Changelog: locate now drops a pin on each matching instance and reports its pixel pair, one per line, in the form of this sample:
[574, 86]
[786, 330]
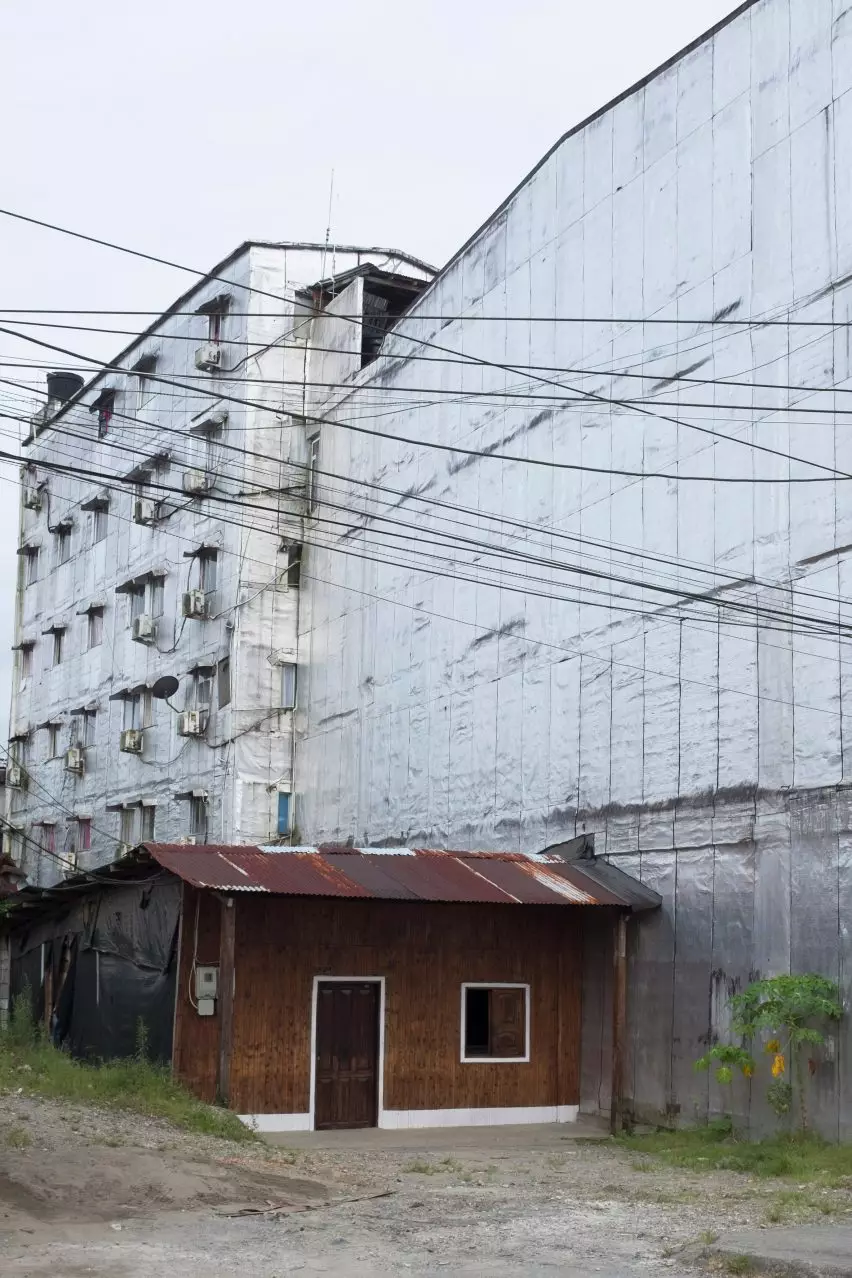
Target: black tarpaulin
[110, 955]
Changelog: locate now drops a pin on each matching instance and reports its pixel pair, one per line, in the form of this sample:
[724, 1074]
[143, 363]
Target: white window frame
[27, 660]
[198, 805]
[100, 517]
[288, 676]
[312, 476]
[31, 567]
[495, 1060]
[63, 545]
[94, 629]
[57, 648]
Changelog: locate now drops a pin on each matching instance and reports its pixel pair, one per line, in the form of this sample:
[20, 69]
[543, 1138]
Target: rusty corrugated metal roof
[403, 874]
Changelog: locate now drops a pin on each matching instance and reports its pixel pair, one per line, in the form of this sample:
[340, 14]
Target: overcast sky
[182, 128]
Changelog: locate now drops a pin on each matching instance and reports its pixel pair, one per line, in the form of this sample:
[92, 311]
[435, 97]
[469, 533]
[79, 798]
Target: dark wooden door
[347, 1048]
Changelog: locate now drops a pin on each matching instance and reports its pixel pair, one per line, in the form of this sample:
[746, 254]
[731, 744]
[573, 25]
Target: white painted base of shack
[404, 1119]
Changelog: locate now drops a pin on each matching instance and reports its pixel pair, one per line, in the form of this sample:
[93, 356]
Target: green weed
[717, 1148]
[17, 1138]
[30, 1064]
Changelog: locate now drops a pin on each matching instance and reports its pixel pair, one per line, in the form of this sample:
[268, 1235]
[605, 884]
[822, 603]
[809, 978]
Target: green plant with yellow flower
[785, 1007]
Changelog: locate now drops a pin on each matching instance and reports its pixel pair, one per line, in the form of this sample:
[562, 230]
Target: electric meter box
[206, 982]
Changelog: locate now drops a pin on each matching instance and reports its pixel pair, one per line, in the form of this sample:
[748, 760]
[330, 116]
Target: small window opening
[127, 825]
[26, 661]
[208, 562]
[283, 812]
[495, 1022]
[58, 646]
[294, 566]
[52, 740]
[63, 544]
[83, 835]
[99, 524]
[288, 685]
[223, 680]
[95, 628]
[106, 411]
[31, 567]
[145, 385]
[198, 818]
[146, 822]
[312, 477]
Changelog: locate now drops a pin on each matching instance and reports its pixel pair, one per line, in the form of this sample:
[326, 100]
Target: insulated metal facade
[461, 696]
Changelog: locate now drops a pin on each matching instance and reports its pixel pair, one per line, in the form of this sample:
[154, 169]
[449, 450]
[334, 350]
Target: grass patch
[716, 1148]
[16, 1138]
[31, 1065]
[739, 1265]
[420, 1167]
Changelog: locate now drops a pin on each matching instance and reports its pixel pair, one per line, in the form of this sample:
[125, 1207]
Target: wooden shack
[342, 987]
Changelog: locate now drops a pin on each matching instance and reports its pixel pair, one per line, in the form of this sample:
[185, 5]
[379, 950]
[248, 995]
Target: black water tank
[63, 386]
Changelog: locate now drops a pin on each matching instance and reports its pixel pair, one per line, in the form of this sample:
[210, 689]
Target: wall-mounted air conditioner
[144, 629]
[16, 777]
[194, 605]
[32, 499]
[208, 357]
[130, 741]
[74, 760]
[187, 840]
[191, 723]
[196, 482]
[144, 511]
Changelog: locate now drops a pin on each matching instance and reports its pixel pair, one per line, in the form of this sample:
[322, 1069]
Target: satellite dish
[165, 687]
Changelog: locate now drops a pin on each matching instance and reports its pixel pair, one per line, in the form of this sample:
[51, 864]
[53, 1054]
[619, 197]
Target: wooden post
[619, 1022]
[226, 998]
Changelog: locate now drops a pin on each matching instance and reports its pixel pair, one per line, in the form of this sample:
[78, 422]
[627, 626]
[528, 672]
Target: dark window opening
[223, 679]
[477, 1039]
[106, 411]
[294, 566]
[495, 1022]
[385, 300]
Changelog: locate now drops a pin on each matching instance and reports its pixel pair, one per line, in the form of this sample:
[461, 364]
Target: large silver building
[161, 535]
[527, 640]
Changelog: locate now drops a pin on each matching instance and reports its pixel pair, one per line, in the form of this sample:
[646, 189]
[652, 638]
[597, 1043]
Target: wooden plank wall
[196, 1043]
[425, 951]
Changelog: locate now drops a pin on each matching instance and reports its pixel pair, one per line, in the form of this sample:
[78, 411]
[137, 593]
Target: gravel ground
[87, 1191]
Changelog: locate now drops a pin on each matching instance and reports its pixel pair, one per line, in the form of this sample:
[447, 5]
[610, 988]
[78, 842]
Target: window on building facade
[127, 825]
[495, 1022]
[288, 685]
[312, 477]
[223, 680]
[95, 628]
[83, 834]
[216, 323]
[198, 818]
[90, 727]
[201, 691]
[137, 602]
[63, 544]
[208, 564]
[283, 812]
[100, 516]
[104, 405]
[147, 813]
[26, 660]
[156, 596]
[31, 566]
[138, 712]
[145, 383]
[58, 646]
[48, 837]
[294, 566]
[52, 731]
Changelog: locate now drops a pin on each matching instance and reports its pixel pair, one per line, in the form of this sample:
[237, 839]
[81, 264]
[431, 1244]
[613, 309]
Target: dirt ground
[93, 1192]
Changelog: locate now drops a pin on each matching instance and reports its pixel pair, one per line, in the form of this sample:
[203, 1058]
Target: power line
[422, 342]
[458, 450]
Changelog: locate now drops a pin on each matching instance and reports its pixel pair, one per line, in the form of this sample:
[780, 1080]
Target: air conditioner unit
[32, 499]
[191, 723]
[74, 759]
[144, 629]
[187, 840]
[194, 604]
[130, 741]
[208, 357]
[16, 777]
[196, 482]
[144, 511]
